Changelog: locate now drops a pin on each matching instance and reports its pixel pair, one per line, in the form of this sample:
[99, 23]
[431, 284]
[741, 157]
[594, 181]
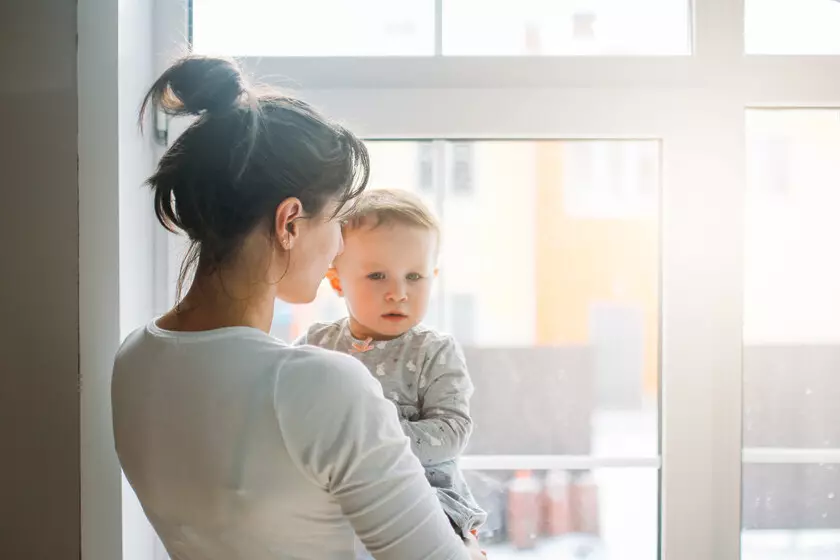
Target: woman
[237, 445]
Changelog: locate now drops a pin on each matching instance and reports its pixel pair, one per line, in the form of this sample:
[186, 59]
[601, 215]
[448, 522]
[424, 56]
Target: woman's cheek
[336, 246]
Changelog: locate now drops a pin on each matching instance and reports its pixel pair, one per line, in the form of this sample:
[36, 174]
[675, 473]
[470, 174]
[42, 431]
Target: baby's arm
[444, 427]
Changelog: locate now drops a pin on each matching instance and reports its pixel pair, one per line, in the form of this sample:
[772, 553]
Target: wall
[72, 202]
[39, 333]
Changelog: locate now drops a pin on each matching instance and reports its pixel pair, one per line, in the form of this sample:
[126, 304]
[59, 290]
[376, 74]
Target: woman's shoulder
[319, 361]
[294, 367]
[318, 392]
[323, 374]
[151, 342]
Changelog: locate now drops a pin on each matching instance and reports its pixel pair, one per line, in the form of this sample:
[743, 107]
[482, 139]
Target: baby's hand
[472, 546]
[409, 412]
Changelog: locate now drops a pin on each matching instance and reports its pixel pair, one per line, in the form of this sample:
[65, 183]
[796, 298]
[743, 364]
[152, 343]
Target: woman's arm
[346, 438]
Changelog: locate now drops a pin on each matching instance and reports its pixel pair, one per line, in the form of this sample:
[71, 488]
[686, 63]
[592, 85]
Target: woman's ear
[437, 271]
[335, 281]
[285, 228]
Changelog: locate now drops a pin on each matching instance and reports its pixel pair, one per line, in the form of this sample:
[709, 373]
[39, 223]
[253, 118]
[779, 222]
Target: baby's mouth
[396, 316]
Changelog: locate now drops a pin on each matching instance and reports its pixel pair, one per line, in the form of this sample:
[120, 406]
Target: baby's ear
[335, 282]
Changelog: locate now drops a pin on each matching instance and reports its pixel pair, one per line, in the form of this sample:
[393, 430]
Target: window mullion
[702, 233]
[719, 33]
[438, 27]
[439, 183]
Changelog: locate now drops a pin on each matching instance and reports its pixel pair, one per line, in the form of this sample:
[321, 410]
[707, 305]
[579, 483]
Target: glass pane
[314, 28]
[791, 295]
[792, 26]
[556, 245]
[791, 512]
[606, 514]
[566, 27]
[792, 332]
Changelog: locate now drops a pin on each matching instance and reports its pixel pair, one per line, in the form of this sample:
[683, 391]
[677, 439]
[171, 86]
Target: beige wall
[72, 165]
[39, 276]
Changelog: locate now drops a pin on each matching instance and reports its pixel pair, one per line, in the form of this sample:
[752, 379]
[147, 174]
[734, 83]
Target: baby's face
[386, 276]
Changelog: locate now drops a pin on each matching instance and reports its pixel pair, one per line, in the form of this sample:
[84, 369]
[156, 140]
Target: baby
[385, 276]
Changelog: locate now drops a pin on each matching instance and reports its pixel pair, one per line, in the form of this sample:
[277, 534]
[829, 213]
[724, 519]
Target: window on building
[462, 168]
[425, 167]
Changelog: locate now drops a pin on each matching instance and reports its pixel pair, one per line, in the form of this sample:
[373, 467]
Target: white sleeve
[345, 437]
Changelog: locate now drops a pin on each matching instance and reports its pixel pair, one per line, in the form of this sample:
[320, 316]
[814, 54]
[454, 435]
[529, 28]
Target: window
[611, 178]
[462, 167]
[462, 309]
[768, 165]
[467, 28]
[792, 26]
[791, 428]
[588, 161]
[425, 169]
[582, 27]
[313, 28]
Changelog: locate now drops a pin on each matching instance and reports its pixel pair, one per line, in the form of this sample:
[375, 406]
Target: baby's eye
[413, 277]
[376, 276]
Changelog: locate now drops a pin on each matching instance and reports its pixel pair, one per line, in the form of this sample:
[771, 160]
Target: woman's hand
[472, 547]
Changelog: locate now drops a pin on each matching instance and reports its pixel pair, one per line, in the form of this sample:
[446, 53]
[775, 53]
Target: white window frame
[696, 106]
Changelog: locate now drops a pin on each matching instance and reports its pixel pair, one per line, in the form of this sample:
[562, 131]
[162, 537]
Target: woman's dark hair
[247, 151]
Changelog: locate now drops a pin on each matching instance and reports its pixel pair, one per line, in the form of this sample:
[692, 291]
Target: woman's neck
[211, 304]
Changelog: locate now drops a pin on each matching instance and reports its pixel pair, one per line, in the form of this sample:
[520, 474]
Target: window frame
[695, 106]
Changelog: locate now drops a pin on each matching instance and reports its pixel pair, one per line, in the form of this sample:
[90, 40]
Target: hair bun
[204, 84]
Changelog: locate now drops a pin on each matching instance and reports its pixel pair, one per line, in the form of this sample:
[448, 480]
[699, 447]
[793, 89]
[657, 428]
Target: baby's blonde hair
[382, 207]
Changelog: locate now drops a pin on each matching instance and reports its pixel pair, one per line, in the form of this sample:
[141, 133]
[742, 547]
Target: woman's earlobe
[289, 235]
